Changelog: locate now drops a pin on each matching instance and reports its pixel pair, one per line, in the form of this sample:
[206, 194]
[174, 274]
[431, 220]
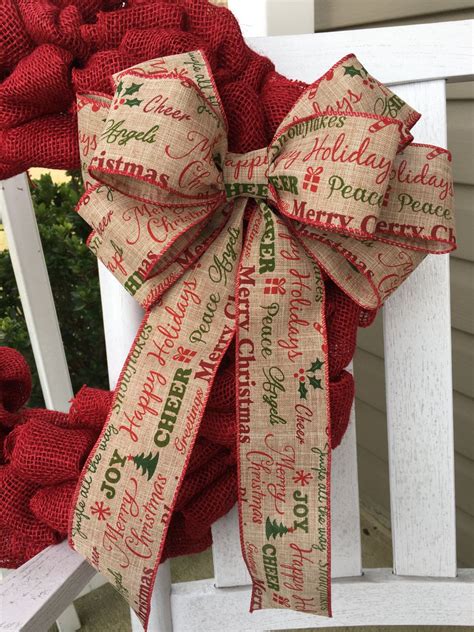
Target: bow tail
[154, 421]
[283, 419]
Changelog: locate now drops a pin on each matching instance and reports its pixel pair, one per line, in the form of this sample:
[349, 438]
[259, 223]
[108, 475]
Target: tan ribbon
[339, 189]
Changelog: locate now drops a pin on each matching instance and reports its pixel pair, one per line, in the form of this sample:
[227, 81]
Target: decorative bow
[216, 245]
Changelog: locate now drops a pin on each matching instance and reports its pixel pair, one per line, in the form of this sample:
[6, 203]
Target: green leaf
[317, 365]
[303, 391]
[315, 383]
[132, 102]
[135, 87]
[352, 71]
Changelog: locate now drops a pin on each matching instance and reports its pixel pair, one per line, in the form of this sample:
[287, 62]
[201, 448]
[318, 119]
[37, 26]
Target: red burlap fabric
[50, 50]
[41, 456]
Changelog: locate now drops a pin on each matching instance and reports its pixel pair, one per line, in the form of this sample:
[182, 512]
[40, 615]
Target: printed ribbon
[216, 245]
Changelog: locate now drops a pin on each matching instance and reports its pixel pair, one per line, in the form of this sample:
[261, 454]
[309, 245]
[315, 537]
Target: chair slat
[345, 514]
[160, 614]
[122, 316]
[400, 54]
[417, 339]
[376, 598]
[32, 279]
[229, 565]
[34, 595]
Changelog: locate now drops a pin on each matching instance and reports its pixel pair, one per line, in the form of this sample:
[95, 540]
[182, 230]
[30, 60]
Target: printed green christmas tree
[146, 463]
[272, 529]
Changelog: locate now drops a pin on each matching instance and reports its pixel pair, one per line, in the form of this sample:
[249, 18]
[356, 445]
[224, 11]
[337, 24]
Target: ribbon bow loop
[177, 133]
[340, 189]
[338, 164]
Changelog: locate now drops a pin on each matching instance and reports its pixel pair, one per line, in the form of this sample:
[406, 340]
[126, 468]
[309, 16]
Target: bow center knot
[246, 175]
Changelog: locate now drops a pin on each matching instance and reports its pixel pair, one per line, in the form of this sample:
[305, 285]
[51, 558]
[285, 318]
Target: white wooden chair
[424, 585]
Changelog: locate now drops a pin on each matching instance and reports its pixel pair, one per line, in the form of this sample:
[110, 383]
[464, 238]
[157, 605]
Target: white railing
[29, 266]
[259, 18]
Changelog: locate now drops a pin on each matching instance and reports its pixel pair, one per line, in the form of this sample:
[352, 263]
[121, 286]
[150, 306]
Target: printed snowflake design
[315, 382]
[100, 510]
[302, 478]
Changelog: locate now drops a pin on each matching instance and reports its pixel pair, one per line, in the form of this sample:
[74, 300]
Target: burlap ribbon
[216, 245]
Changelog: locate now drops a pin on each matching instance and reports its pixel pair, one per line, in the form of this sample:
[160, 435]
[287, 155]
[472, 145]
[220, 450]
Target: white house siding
[369, 367]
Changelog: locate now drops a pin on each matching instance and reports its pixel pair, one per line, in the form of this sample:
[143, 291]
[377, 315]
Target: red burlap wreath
[50, 50]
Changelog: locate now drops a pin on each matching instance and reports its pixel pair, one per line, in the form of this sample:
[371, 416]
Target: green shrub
[74, 279]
